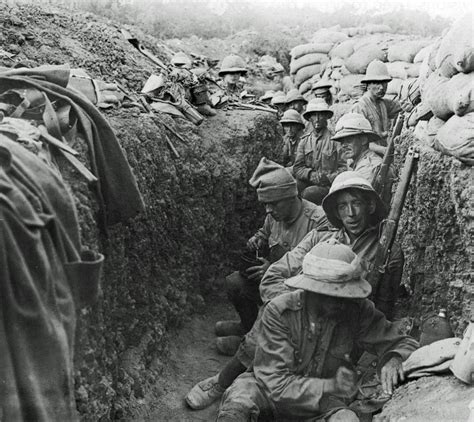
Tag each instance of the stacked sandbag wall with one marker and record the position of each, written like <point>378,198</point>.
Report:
<point>447,91</point>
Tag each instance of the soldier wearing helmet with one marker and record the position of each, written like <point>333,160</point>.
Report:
<point>374,107</point>
<point>302,365</point>
<point>293,127</point>
<point>232,69</point>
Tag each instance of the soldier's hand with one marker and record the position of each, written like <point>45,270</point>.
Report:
<point>343,384</point>
<point>391,374</point>
<point>255,243</point>
<point>256,273</point>
<point>314,177</point>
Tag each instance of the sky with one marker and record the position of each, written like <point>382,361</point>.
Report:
<point>444,8</point>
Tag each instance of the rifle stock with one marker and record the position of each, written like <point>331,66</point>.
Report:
<point>390,225</point>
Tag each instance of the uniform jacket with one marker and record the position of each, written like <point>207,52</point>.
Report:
<point>294,355</point>
<point>317,153</point>
<point>290,146</point>
<point>282,237</point>
<point>378,113</point>
<point>365,246</point>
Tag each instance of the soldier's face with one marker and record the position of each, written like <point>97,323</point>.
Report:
<point>291,129</point>
<point>354,211</point>
<point>354,146</point>
<point>231,78</point>
<point>330,306</point>
<point>319,121</point>
<point>280,210</point>
<point>378,89</point>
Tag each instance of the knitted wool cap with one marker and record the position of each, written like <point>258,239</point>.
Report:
<point>332,269</point>
<point>273,182</point>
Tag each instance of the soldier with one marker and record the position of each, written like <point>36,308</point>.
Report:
<point>181,60</point>
<point>279,102</point>
<point>267,97</point>
<point>318,160</point>
<point>355,134</point>
<point>232,69</point>
<point>322,89</point>
<point>293,127</point>
<point>295,101</point>
<point>374,107</point>
<point>302,369</point>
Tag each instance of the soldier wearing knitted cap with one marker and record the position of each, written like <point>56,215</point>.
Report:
<point>295,101</point>
<point>374,107</point>
<point>293,127</point>
<point>318,160</point>
<point>355,134</point>
<point>288,220</point>
<point>302,369</point>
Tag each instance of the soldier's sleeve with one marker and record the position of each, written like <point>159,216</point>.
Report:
<point>275,368</point>
<point>300,171</point>
<point>381,337</point>
<point>273,282</point>
<point>388,290</point>
<point>318,219</point>
<point>393,107</point>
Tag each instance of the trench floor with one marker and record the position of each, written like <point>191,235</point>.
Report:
<point>193,357</point>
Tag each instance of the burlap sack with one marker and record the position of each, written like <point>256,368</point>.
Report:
<point>303,49</point>
<point>405,51</point>
<point>423,53</point>
<point>457,46</point>
<point>307,60</point>
<point>426,131</point>
<point>413,70</point>
<point>449,96</point>
<point>306,73</point>
<point>342,50</point>
<point>348,82</point>
<point>305,86</point>
<point>328,36</point>
<point>456,138</point>
<point>398,69</point>
<point>360,59</point>
<point>393,87</point>
<point>375,28</point>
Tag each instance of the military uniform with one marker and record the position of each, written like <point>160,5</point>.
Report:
<point>290,146</point>
<point>296,352</point>
<point>318,161</point>
<point>378,113</point>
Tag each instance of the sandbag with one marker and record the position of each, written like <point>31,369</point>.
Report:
<point>413,70</point>
<point>456,138</point>
<point>398,69</point>
<point>375,28</point>
<point>405,51</point>
<point>360,59</point>
<point>449,96</point>
<point>329,36</point>
<point>305,86</point>
<point>306,73</point>
<point>393,87</point>
<point>303,49</point>
<point>347,83</point>
<point>426,131</point>
<point>457,46</point>
<point>342,50</point>
<point>424,52</point>
<point>307,60</point>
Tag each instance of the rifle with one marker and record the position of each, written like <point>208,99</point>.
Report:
<point>390,225</point>
<point>244,106</point>
<point>380,179</point>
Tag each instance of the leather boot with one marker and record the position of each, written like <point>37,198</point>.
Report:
<point>229,328</point>
<point>228,345</point>
<point>204,393</point>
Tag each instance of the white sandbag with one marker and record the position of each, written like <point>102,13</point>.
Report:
<point>398,69</point>
<point>374,28</point>
<point>306,73</point>
<point>413,70</point>
<point>457,46</point>
<point>405,51</point>
<point>328,36</point>
<point>307,60</point>
<point>449,96</point>
<point>303,49</point>
<point>305,86</point>
<point>426,131</point>
<point>360,59</point>
<point>393,87</point>
<point>342,50</point>
<point>348,82</point>
<point>425,51</point>
<point>456,138</point>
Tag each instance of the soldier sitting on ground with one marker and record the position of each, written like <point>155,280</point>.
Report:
<point>302,368</point>
<point>318,160</point>
<point>293,127</point>
<point>374,107</point>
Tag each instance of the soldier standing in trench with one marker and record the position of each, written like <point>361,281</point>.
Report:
<point>232,69</point>
<point>293,127</point>
<point>374,107</point>
<point>318,160</point>
<point>356,211</point>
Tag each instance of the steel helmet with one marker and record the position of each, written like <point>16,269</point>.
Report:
<point>376,72</point>
<point>354,124</point>
<point>292,116</point>
<point>232,64</point>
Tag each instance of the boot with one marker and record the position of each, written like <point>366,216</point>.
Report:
<point>228,345</point>
<point>204,393</point>
<point>229,328</point>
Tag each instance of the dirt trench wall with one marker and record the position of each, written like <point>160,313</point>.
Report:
<point>436,231</point>
<point>160,267</point>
